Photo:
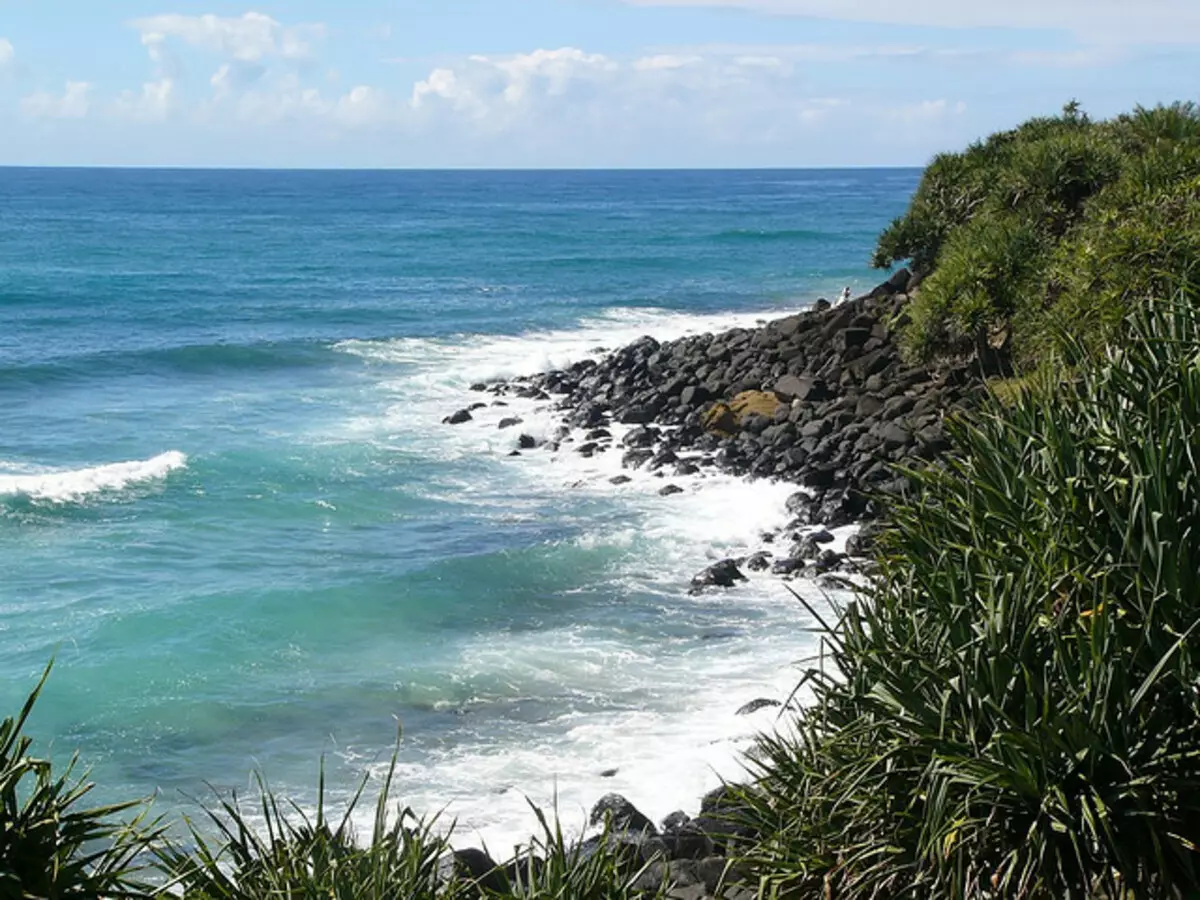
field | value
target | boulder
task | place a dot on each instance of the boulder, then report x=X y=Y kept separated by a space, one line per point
x=694 y=395
x=720 y=419
x=510 y=422
x=761 y=403
x=669 y=490
x=527 y=442
x=620 y=815
x=463 y=415
x=760 y=561
x=806 y=388
x=724 y=574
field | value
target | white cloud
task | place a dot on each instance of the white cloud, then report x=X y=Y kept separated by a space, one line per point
x=7 y=53
x=1118 y=21
x=155 y=100
x=665 y=61
x=74 y=102
x=250 y=38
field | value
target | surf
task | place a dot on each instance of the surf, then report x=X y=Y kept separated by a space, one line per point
x=76 y=485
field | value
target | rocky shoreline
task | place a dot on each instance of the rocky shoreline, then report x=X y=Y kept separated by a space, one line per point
x=822 y=399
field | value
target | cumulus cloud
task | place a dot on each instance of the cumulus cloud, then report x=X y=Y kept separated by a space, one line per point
x=1119 y=21
x=249 y=38
x=73 y=103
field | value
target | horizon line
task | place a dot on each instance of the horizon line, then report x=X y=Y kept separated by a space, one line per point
x=479 y=169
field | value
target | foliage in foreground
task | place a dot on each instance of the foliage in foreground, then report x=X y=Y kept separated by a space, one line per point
x=1060 y=223
x=1011 y=711
x=51 y=844
x=271 y=849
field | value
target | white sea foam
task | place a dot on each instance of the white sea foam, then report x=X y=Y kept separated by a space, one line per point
x=685 y=737
x=74 y=485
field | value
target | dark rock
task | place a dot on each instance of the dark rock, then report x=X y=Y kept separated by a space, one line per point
x=463 y=415
x=863 y=541
x=695 y=395
x=755 y=705
x=788 y=566
x=801 y=387
x=669 y=490
x=474 y=866
x=685 y=840
x=476 y=406
x=598 y=434
x=588 y=450
x=723 y=574
x=620 y=479
x=685 y=469
x=641 y=437
x=759 y=562
x=620 y=815
x=635 y=459
x=868 y=405
x=642 y=414
x=527 y=442
x=479 y=386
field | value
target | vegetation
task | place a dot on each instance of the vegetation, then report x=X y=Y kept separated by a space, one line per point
x=51 y=845
x=271 y=849
x=1011 y=709
x=1058 y=227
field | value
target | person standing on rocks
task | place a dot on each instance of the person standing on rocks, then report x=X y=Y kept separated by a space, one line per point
x=845 y=297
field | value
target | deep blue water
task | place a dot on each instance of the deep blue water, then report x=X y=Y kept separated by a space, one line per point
x=230 y=511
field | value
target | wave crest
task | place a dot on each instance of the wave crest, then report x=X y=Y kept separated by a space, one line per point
x=73 y=485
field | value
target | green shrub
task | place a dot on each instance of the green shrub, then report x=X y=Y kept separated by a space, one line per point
x=1106 y=215
x=53 y=846
x=1011 y=710
x=287 y=854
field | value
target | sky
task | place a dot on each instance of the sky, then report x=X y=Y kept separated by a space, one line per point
x=566 y=83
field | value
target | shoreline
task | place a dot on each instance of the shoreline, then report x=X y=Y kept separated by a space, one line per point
x=821 y=399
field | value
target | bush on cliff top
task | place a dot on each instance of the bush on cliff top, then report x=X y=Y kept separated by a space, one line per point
x=1011 y=710
x=1061 y=223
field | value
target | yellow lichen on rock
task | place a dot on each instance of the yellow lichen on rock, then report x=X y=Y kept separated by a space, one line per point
x=754 y=403
x=727 y=418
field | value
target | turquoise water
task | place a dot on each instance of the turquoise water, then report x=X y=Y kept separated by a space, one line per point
x=230 y=512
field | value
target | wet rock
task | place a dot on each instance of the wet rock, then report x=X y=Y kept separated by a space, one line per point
x=527 y=442
x=620 y=479
x=759 y=562
x=510 y=422
x=755 y=705
x=635 y=459
x=641 y=437
x=724 y=574
x=620 y=815
x=458 y=418
x=669 y=490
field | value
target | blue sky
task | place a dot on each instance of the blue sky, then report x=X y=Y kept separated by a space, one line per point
x=566 y=83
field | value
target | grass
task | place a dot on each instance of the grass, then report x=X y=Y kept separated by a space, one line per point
x=52 y=844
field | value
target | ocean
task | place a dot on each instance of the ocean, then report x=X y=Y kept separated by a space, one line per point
x=232 y=516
